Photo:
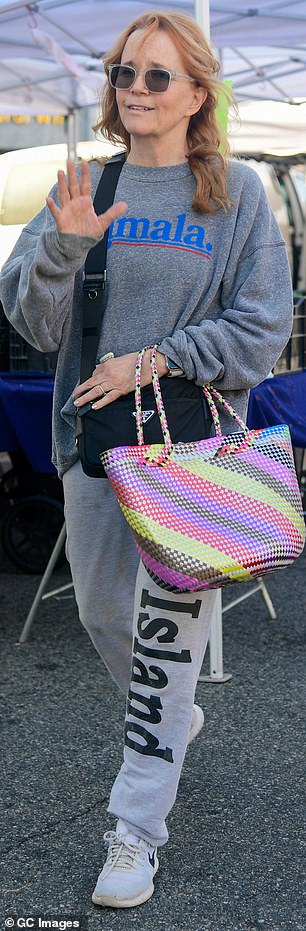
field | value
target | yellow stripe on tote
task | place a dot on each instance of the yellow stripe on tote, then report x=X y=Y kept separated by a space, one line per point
x=244 y=485
x=148 y=528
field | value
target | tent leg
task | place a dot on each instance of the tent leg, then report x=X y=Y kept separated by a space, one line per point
x=216 y=632
x=216 y=647
x=43 y=584
x=258 y=587
x=268 y=602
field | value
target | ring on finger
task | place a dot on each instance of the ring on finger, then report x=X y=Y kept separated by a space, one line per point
x=102 y=392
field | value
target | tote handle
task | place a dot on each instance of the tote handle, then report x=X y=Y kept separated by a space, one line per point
x=209 y=392
x=166 y=452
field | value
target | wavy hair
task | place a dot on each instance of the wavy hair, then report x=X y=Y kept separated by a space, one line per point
x=206 y=144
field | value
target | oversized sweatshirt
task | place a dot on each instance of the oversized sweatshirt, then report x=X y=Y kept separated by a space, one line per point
x=213 y=290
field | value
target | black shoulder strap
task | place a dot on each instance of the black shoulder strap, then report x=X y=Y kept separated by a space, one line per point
x=94 y=278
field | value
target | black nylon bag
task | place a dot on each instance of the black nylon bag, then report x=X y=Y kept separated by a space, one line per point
x=187 y=412
x=186 y=407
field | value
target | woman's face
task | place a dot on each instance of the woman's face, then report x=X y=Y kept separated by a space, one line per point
x=156 y=116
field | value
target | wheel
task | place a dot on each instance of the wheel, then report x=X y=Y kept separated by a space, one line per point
x=30 y=529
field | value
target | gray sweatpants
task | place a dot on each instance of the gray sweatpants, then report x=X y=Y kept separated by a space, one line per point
x=153 y=643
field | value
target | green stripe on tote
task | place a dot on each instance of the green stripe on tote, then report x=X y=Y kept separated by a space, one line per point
x=195 y=569
x=147 y=528
x=244 y=485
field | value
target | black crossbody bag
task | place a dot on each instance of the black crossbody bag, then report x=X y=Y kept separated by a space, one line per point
x=186 y=407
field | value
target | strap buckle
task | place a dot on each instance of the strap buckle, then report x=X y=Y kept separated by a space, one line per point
x=92 y=284
x=95 y=280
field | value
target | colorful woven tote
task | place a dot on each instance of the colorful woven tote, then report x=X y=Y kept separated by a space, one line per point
x=209 y=513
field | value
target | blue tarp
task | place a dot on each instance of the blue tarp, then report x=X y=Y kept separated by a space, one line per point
x=281 y=399
x=26 y=411
x=25 y=416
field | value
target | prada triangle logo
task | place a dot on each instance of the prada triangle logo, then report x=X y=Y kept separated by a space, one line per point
x=146 y=415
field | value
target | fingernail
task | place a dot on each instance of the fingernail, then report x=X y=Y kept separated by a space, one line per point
x=76 y=403
x=94 y=406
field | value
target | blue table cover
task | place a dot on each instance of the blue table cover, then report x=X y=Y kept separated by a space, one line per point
x=25 y=416
x=26 y=412
x=281 y=399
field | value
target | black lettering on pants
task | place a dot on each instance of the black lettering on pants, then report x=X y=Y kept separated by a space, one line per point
x=166 y=605
x=154 y=677
x=150 y=748
x=182 y=657
x=151 y=629
x=140 y=674
x=153 y=703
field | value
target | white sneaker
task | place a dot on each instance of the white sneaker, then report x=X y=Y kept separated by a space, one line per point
x=197 y=722
x=127 y=876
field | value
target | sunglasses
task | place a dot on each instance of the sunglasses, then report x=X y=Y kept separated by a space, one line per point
x=157 y=80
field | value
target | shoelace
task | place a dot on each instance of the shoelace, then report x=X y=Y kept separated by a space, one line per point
x=121 y=854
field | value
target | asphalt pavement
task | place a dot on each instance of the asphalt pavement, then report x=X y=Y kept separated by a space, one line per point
x=234 y=858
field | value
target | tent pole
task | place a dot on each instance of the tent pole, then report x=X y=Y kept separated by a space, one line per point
x=220 y=56
x=202 y=15
x=71 y=135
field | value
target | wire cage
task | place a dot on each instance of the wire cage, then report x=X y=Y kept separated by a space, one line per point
x=16 y=355
x=4 y=342
x=24 y=358
x=293 y=357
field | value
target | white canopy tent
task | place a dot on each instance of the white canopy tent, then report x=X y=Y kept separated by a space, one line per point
x=269 y=127
x=51 y=50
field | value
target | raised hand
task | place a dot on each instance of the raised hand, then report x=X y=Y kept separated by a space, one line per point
x=76 y=212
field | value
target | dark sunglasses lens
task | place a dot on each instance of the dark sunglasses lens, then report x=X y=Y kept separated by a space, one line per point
x=157 y=80
x=122 y=76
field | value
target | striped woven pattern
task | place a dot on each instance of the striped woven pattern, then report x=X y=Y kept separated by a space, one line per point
x=207 y=514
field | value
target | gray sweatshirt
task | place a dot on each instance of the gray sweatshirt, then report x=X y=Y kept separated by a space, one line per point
x=213 y=290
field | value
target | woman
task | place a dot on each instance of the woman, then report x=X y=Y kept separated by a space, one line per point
x=196 y=263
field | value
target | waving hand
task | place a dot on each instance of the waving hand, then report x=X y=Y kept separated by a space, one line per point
x=76 y=212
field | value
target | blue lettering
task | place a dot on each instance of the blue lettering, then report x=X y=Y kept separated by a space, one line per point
x=127 y=228
x=195 y=238
x=179 y=229
x=162 y=230
x=133 y=230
